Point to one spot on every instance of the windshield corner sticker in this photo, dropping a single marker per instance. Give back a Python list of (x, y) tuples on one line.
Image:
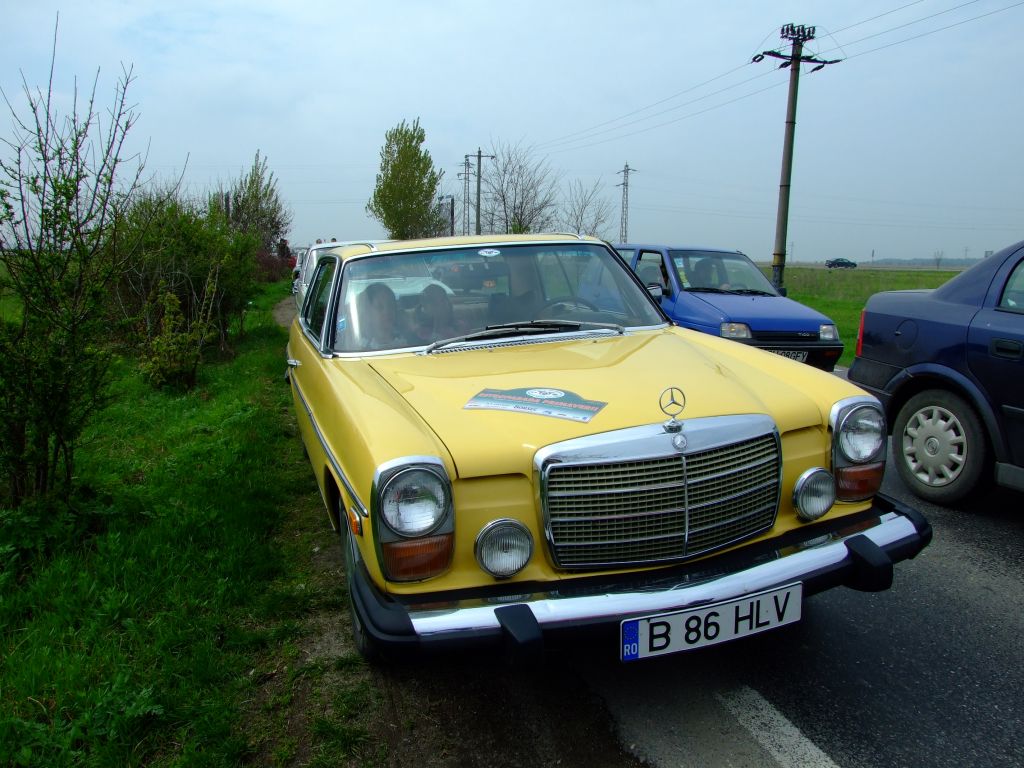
[(489, 252), (542, 401)]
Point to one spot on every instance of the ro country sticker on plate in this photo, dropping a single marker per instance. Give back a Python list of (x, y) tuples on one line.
[(540, 401)]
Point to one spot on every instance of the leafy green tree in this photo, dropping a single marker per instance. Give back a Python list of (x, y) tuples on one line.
[(63, 188), (253, 205), (405, 197), (188, 250)]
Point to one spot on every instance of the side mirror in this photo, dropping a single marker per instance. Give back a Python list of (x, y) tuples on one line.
[(656, 291), (783, 291)]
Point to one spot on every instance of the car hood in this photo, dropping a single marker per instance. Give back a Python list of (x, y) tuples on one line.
[(761, 313), (494, 407)]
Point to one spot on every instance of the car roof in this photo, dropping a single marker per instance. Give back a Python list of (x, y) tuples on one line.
[(649, 246), (432, 243)]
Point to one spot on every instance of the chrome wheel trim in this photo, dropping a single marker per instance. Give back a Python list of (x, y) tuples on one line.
[(935, 446)]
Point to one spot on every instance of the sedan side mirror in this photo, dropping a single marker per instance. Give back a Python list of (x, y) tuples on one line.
[(656, 291)]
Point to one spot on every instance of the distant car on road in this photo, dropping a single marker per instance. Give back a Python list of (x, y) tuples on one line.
[(841, 264), (724, 293), (947, 365)]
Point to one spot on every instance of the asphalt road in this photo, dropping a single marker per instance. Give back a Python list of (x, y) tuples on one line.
[(928, 673)]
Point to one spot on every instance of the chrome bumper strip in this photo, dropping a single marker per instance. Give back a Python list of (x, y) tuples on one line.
[(548, 610)]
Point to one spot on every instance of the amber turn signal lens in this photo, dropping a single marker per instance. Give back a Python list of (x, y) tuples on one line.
[(417, 559), (859, 482)]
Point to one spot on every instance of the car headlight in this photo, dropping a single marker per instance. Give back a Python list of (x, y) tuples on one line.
[(735, 331), (503, 548), (861, 433), (814, 494), (828, 332), (414, 501), (858, 447)]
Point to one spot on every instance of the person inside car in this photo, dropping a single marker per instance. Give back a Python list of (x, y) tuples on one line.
[(434, 318), (378, 323)]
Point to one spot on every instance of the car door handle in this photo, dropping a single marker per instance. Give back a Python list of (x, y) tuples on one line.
[(292, 363), (1007, 348)]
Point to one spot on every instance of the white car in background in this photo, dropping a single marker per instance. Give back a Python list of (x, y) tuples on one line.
[(306, 265)]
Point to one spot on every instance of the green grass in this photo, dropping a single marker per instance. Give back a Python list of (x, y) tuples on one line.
[(841, 294), (142, 642)]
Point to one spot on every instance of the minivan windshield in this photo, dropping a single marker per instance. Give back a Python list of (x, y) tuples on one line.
[(719, 271)]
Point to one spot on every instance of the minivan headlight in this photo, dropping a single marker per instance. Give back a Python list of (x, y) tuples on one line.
[(828, 332), (735, 331)]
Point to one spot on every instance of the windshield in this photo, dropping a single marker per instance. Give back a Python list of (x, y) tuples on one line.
[(405, 300), (719, 271)]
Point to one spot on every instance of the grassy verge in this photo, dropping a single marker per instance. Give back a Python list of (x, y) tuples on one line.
[(842, 293), (187, 627)]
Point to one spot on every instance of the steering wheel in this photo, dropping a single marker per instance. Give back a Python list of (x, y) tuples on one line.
[(567, 301)]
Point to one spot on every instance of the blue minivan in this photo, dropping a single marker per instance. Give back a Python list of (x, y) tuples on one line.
[(724, 293)]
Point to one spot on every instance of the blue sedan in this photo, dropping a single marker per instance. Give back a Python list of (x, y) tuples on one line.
[(948, 366), (724, 293)]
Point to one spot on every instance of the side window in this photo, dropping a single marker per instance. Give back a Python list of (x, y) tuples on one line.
[(314, 311), (1013, 293), (649, 269)]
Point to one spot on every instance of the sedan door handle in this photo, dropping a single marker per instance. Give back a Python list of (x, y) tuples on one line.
[(1007, 348), (292, 363)]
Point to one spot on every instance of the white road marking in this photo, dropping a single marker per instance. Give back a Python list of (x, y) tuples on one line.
[(772, 730)]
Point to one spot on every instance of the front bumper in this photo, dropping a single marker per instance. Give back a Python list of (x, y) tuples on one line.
[(857, 551)]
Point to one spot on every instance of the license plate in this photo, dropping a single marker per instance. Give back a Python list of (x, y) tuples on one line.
[(793, 354), (709, 625)]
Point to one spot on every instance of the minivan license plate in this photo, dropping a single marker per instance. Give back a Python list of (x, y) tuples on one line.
[(709, 625), (793, 354)]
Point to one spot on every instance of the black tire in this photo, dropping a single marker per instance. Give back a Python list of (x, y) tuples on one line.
[(940, 446), (361, 639)]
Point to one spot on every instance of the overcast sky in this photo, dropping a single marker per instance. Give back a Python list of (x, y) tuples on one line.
[(910, 145)]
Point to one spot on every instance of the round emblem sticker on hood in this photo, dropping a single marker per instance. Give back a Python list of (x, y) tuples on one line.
[(545, 394)]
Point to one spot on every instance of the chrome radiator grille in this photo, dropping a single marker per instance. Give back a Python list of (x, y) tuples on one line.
[(645, 511)]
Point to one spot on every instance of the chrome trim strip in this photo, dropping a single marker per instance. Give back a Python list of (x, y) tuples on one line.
[(327, 451), (550, 611)]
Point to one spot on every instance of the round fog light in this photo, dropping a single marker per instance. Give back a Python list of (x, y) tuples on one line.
[(503, 548), (814, 494)]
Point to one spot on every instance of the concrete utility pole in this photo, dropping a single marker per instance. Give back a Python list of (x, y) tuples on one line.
[(798, 35), (624, 216), (479, 158)]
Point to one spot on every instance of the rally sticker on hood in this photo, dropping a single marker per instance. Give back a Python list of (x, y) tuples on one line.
[(541, 401)]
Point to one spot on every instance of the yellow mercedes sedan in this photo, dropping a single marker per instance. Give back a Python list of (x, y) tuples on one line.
[(519, 448)]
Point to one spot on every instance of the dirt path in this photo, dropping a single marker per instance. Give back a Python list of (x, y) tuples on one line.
[(284, 311)]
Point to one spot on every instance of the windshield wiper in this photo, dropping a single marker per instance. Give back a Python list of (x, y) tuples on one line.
[(698, 289), (752, 292), (522, 327)]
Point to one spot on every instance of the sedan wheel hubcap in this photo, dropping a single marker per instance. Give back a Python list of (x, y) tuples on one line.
[(935, 446)]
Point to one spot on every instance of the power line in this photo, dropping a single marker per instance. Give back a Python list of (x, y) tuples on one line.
[(672, 122), (562, 139), (940, 29), (665, 111), (564, 143)]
